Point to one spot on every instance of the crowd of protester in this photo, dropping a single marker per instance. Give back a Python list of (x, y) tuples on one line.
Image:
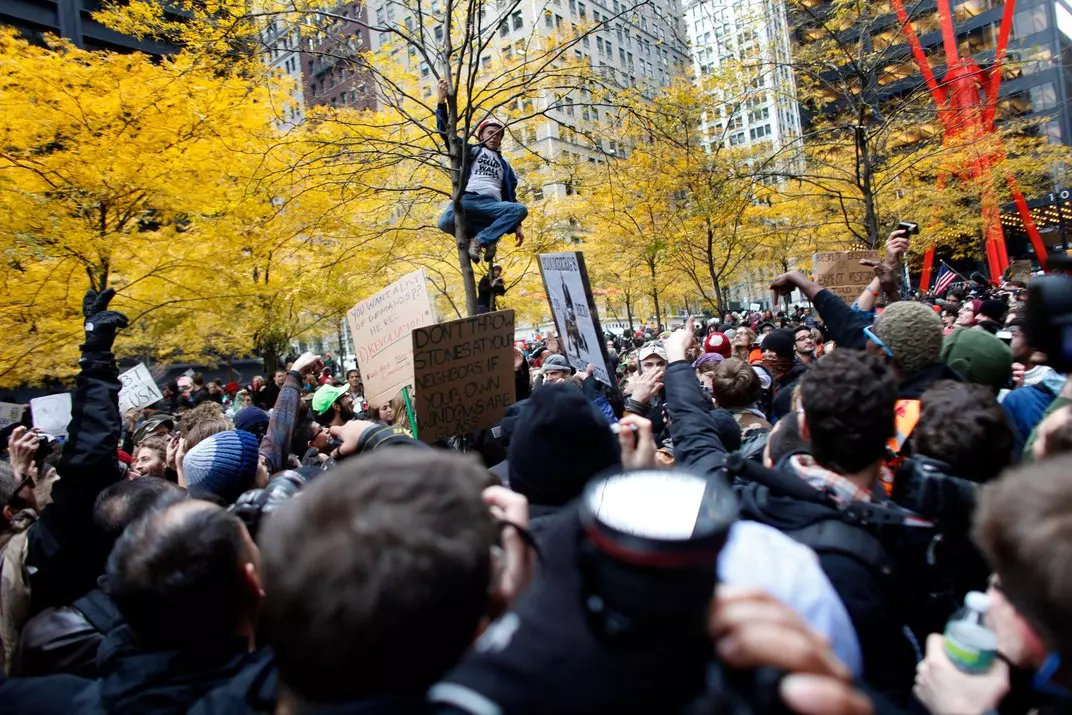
[(288, 547)]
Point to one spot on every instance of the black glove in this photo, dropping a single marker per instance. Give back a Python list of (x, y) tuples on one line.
[(101, 323)]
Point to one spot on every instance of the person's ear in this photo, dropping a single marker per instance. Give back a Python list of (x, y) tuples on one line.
[(252, 579), (805, 430), (8, 513)]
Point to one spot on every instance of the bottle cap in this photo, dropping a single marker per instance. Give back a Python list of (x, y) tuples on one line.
[(977, 601)]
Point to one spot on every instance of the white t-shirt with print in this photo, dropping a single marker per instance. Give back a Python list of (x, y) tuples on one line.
[(486, 177)]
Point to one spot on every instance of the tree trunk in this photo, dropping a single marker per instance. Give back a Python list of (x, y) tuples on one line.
[(655, 298), (339, 333), (710, 256), (456, 148), (864, 175), (629, 311)]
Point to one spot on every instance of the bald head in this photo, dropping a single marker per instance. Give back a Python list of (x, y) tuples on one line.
[(181, 575)]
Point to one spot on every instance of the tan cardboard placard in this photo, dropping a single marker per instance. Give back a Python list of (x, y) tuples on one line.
[(463, 374), (840, 272), (380, 327), (10, 413)]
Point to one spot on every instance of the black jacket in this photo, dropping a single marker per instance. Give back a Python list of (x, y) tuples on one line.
[(132, 680), (913, 386), (485, 291), (843, 324), (783, 396), (699, 435), (64, 559), (66, 639), (869, 598)]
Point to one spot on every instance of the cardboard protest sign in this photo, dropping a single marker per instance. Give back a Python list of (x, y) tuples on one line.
[(565, 280), (840, 272), (380, 327), (139, 389), (52, 414), (10, 414), (463, 374)]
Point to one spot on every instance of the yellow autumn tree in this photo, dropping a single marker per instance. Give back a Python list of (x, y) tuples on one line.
[(526, 65), (164, 179)]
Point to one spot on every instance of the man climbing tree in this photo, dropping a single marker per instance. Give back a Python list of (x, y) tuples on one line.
[(490, 202)]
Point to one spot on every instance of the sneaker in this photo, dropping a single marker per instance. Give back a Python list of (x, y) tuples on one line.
[(489, 252), (474, 250)]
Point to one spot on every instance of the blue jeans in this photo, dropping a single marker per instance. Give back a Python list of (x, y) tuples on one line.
[(486, 219)]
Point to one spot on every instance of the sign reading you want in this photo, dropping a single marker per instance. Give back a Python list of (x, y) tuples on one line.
[(380, 327), (463, 374), (840, 272)]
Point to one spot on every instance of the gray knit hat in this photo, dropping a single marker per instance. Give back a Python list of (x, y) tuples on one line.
[(913, 332)]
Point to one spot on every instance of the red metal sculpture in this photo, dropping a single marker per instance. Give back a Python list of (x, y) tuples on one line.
[(966, 115)]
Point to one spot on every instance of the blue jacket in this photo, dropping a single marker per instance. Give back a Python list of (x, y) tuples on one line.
[(509, 189), (1026, 406)]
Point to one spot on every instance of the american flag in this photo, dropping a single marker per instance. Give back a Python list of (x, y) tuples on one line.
[(945, 279)]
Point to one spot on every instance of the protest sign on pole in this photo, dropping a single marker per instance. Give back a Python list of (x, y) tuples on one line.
[(840, 272), (10, 413), (139, 389), (565, 281), (52, 414), (463, 374), (380, 327)]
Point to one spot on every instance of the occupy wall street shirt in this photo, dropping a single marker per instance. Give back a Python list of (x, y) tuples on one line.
[(486, 177)]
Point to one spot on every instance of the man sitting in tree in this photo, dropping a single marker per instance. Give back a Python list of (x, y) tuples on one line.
[(490, 199)]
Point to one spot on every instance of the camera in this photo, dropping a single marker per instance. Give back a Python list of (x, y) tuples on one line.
[(1048, 319), (912, 229), (924, 486)]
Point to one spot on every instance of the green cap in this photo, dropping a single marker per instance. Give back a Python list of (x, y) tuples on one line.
[(326, 395), (978, 356)]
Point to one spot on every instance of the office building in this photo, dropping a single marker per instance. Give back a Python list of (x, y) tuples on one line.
[(753, 35), (281, 51), (331, 78), (72, 19), (643, 48)]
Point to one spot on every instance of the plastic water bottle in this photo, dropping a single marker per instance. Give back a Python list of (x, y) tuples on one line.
[(968, 642)]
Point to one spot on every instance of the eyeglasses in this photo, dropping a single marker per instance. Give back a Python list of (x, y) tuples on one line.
[(804, 337), (874, 338)]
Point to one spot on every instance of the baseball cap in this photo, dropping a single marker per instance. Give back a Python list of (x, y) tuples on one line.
[(326, 395), (651, 349)]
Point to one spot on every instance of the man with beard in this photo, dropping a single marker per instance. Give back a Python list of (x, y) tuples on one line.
[(333, 406), (781, 361)]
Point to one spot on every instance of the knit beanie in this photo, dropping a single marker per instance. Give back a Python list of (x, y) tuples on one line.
[(913, 332), (249, 417), (978, 356), (559, 442), (781, 343), (719, 344), (224, 464)]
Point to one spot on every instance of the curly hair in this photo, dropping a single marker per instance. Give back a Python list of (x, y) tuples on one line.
[(202, 422), (848, 399), (962, 425)]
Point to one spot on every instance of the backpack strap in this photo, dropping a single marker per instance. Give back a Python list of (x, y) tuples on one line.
[(834, 536)]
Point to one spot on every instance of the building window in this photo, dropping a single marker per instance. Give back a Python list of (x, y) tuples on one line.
[(504, 28), (582, 11), (519, 20), (439, 33), (558, 22), (548, 19)]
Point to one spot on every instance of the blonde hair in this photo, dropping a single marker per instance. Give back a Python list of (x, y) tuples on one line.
[(398, 404)]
